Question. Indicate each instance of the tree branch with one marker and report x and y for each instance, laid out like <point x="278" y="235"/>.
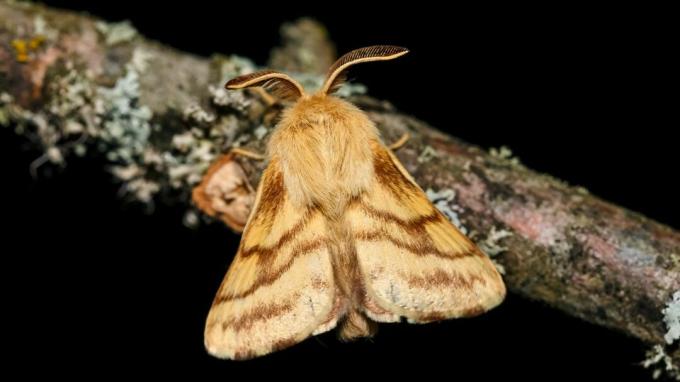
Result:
<point x="75" y="85"/>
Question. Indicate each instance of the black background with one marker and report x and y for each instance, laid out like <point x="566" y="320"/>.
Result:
<point x="582" y="94"/>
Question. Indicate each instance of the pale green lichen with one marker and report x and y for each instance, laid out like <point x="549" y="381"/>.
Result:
<point x="260" y="132"/>
<point x="505" y="153"/>
<point x="314" y="82"/>
<point x="115" y="33"/>
<point x="125" y="128"/>
<point x="350" y="89"/>
<point x="191" y="219"/>
<point x="671" y="316"/>
<point x="427" y="154"/>
<point x="199" y="115"/>
<point x="234" y="66"/>
<point x="193" y="153"/>
<point x="5" y="101"/>
<point x="661" y="363"/>
<point x="657" y="359"/>
<point x="40" y="27"/>
<point x="140" y="60"/>
<point x="147" y="157"/>
<point x="443" y="200"/>
<point x="65" y="122"/>
<point x="223" y="98"/>
<point x="675" y="259"/>
<point x="125" y="123"/>
<point x="492" y="245"/>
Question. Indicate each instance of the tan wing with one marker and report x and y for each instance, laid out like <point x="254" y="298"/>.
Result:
<point x="414" y="262"/>
<point x="280" y="287"/>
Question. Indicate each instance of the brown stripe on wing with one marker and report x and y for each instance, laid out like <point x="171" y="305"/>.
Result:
<point x="266" y="251"/>
<point x="270" y="276"/>
<point x="273" y="196"/>
<point x="389" y="176"/>
<point x="259" y="313"/>
<point x="446" y="279"/>
<point x="413" y="227"/>
<point x="410" y="225"/>
<point x="420" y="249"/>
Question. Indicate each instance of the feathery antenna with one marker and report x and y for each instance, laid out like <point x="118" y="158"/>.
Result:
<point x="336" y="73"/>
<point x="278" y="84"/>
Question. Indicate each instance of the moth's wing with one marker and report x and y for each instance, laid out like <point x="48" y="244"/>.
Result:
<point x="280" y="288"/>
<point x="414" y="262"/>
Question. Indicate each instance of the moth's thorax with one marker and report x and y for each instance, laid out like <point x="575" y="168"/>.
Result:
<point x="324" y="146"/>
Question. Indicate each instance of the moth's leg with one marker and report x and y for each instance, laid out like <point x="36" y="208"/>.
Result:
<point x="400" y="142"/>
<point x="247" y="153"/>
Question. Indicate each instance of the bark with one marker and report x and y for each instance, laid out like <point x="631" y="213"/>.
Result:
<point x="77" y="87"/>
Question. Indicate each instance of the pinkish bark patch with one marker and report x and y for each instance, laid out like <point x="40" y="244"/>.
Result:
<point x="599" y="246"/>
<point x="86" y="48"/>
<point x="544" y="225"/>
<point x="471" y="193"/>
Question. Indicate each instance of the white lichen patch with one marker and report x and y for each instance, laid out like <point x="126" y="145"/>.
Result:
<point x="671" y="316"/>
<point x="661" y="363"/>
<point x="5" y="101"/>
<point x="192" y="156"/>
<point x="505" y="153"/>
<point x="260" y="132"/>
<point x="191" y="219"/>
<point x="69" y="100"/>
<point x="54" y="155"/>
<point x="657" y="359"/>
<point x="351" y="89"/>
<point x="115" y="33"/>
<point x="143" y="189"/>
<point x="234" y="66"/>
<point x="125" y="123"/>
<point x="183" y="142"/>
<point x="196" y="113"/>
<point x="492" y="246"/>
<point x="128" y="172"/>
<point x="427" y="154"/>
<point x="140" y="60"/>
<point x="313" y="82"/>
<point x="80" y="116"/>
<point x="41" y="28"/>
<point x="443" y="200"/>
<point x="235" y="100"/>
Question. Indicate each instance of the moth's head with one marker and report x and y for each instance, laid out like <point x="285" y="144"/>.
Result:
<point x="286" y="89"/>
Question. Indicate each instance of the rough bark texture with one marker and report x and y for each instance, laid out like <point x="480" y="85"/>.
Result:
<point x="74" y="86"/>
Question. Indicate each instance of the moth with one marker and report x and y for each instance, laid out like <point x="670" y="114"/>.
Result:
<point x="340" y="235"/>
